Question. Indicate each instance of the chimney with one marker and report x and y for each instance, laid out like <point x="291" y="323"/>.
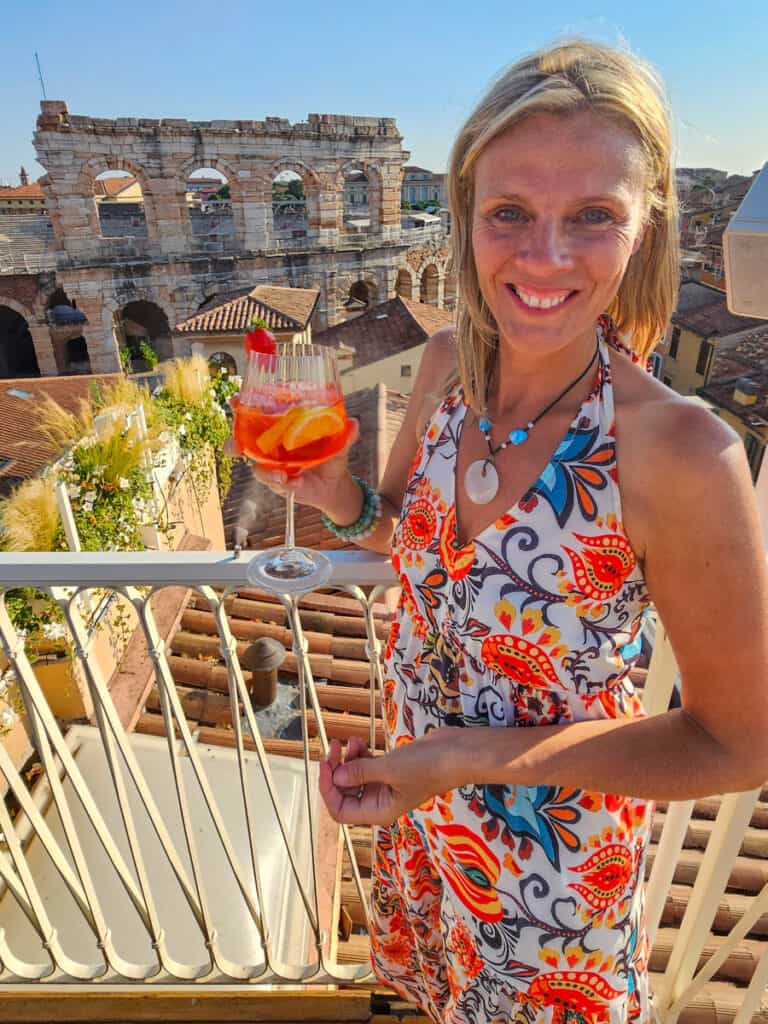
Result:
<point x="263" y="658"/>
<point x="746" y="391"/>
<point x="23" y="177"/>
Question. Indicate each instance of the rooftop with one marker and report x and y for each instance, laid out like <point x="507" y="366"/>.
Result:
<point x="22" y="442"/>
<point x="33" y="191"/>
<point x="386" y="328"/>
<point x="704" y="311"/>
<point x="282" y="309"/>
<point x="747" y="359"/>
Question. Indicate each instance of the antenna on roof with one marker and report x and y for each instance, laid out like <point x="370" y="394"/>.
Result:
<point x="40" y="75"/>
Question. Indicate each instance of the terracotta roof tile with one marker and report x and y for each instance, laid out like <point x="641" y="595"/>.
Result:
<point x="714" y="319"/>
<point x="387" y="328"/>
<point x="33" y="191"/>
<point x="21" y="440"/>
<point x="112" y="186"/>
<point x="283" y="309"/>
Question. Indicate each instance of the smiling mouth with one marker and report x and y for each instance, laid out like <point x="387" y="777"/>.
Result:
<point x="541" y="304"/>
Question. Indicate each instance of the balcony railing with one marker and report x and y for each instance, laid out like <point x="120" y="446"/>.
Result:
<point x="143" y="860"/>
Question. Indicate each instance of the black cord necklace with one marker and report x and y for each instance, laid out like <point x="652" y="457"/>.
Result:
<point x="481" y="481"/>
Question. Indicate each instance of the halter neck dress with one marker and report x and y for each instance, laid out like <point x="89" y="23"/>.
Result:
<point x="521" y="904"/>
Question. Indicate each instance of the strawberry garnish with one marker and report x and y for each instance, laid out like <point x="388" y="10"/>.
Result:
<point x="259" y="339"/>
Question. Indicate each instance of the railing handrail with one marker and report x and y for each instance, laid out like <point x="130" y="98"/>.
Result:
<point x="168" y="568"/>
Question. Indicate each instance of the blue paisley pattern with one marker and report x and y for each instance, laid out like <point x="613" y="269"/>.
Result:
<point x="516" y="903"/>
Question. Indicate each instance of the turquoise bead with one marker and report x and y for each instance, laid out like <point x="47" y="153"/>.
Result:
<point x="518" y="436"/>
<point x="485" y="424"/>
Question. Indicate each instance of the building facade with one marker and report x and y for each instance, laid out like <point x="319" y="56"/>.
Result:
<point x="165" y="260"/>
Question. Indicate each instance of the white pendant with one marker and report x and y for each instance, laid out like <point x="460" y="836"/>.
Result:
<point x="481" y="482"/>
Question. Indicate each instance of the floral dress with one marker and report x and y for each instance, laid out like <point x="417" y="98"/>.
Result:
<point x="507" y="902"/>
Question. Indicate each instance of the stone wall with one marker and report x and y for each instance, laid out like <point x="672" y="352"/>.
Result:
<point x="175" y="269"/>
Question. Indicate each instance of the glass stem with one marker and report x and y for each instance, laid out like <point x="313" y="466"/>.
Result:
<point x="289" y="540"/>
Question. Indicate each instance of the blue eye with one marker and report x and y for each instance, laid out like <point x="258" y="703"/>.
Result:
<point x="602" y="216"/>
<point x="514" y="211"/>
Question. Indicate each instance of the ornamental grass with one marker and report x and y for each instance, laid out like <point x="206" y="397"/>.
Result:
<point x="29" y="517"/>
<point x="187" y="380"/>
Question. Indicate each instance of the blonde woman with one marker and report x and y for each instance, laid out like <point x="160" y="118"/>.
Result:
<point x="534" y="510"/>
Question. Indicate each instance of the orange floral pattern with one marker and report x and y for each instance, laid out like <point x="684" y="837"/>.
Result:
<point x="508" y="902"/>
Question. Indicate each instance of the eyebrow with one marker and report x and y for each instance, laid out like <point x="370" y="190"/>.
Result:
<point x="512" y="197"/>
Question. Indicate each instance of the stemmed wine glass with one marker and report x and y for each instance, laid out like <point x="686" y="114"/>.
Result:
<point x="290" y="416"/>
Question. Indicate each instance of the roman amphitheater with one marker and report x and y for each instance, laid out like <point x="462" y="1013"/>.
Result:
<point x="163" y="258"/>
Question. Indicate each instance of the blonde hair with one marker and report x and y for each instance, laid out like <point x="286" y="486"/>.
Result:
<point x="571" y="76"/>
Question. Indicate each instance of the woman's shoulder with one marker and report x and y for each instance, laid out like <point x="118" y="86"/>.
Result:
<point x="668" y="448"/>
<point x="436" y="371"/>
<point x="659" y="420"/>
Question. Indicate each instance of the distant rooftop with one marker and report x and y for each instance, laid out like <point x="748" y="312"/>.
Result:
<point x="704" y="311"/>
<point x="282" y="309"/>
<point x="386" y="328"/>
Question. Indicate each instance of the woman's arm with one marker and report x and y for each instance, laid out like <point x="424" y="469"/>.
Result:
<point x="343" y="504"/>
<point x="705" y="566"/>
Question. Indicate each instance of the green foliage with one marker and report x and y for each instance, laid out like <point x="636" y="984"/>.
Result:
<point x="125" y="359"/>
<point x="199" y="424"/>
<point x="148" y="354"/>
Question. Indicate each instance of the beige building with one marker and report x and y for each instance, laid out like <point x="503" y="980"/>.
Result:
<point x="700" y="326"/>
<point x="384" y="344"/>
<point x="738" y="387"/>
<point x="218" y="330"/>
<point x="22" y="199"/>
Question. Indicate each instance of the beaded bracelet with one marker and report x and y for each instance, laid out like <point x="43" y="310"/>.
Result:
<point x="366" y="522"/>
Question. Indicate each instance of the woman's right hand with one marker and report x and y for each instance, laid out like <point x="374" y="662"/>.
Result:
<point x="328" y="486"/>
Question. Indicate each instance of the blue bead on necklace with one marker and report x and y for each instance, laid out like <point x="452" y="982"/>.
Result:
<point x="481" y="481"/>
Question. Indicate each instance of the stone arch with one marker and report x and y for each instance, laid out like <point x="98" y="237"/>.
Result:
<point x="312" y="186"/>
<point x="115" y="303"/>
<point x="406" y="283"/>
<point x="429" y="284"/>
<point x="18" y="354"/>
<point x="375" y="189"/>
<point x="90" y="171"/>
<point x="193" y="163"/>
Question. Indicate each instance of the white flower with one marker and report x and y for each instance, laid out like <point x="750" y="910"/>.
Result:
<point x="91" y="496"/>
<point x="123" y="483"/>
<point x="7" y="680"/>
<point x="73" y="490"/>
<point x="182" y="430"/>
<point x="187" y="415"/>
<point x="54" y="630"/>
<point x="7" y="718"/>
<point x="237" y="379"/>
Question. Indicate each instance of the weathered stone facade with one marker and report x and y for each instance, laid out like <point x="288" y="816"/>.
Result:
<point x="174" y="269"/>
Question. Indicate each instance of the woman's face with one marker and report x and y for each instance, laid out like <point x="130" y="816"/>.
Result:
<point x="558" y="212"/>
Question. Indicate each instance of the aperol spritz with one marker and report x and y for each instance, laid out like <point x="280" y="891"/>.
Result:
<point x="290" y="417"/>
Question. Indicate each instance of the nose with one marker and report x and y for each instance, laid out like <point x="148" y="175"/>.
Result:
<point x="545" y="246"/>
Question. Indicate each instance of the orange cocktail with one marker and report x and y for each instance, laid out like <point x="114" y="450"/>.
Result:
<point x="280" y="435"/>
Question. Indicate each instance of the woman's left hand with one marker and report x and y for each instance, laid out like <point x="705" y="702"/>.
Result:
<point x="368" y="790"/>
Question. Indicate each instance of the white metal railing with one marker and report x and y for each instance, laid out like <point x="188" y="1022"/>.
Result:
<point x="157" y="817"/>
<point x="117" y="869"/>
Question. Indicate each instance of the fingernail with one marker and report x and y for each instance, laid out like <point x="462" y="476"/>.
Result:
<point x="341" y="776"/>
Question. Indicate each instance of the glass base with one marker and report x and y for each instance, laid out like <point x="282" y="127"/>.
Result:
<point x="289" y="570"/>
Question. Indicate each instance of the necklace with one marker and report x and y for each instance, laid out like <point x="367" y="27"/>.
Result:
<point x="481" y="481"/>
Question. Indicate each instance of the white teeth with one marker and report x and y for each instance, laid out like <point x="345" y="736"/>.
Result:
<point x="536" y="303"/>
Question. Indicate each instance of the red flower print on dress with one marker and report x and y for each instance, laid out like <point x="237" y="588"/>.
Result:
<point x="581" y="992"/>
<point x="602" y="565"/>
<point x="524" y="662"/>
<point x="606" y="875"/>
<point x="470" y="868"/>
<point x="457" y="561"/>
<point x="418" y="527"/>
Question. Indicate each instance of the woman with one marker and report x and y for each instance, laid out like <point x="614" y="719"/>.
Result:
<point x="534" y="508"/>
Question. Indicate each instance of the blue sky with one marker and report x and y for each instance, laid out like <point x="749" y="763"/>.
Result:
<point x="425" y="65"/>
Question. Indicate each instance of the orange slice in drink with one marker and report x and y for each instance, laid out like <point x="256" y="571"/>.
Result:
<point x="312" y="425"/>
<point x="271" y="438"/>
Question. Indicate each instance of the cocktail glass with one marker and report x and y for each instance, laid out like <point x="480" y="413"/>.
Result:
<point x="290" y="416"/>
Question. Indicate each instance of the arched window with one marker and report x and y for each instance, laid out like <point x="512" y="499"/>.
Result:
<point x="222" y="362"/>
<point x="404" y="285"/>
<point x="17" y="350"/>
<point x="429" y="284"/>
<point x="209" y="203"/>
<point x="356" y="213"/>
<point x="289" y="205"/>
<point x="142" y="321"/>
<point x="120" y="204"/>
